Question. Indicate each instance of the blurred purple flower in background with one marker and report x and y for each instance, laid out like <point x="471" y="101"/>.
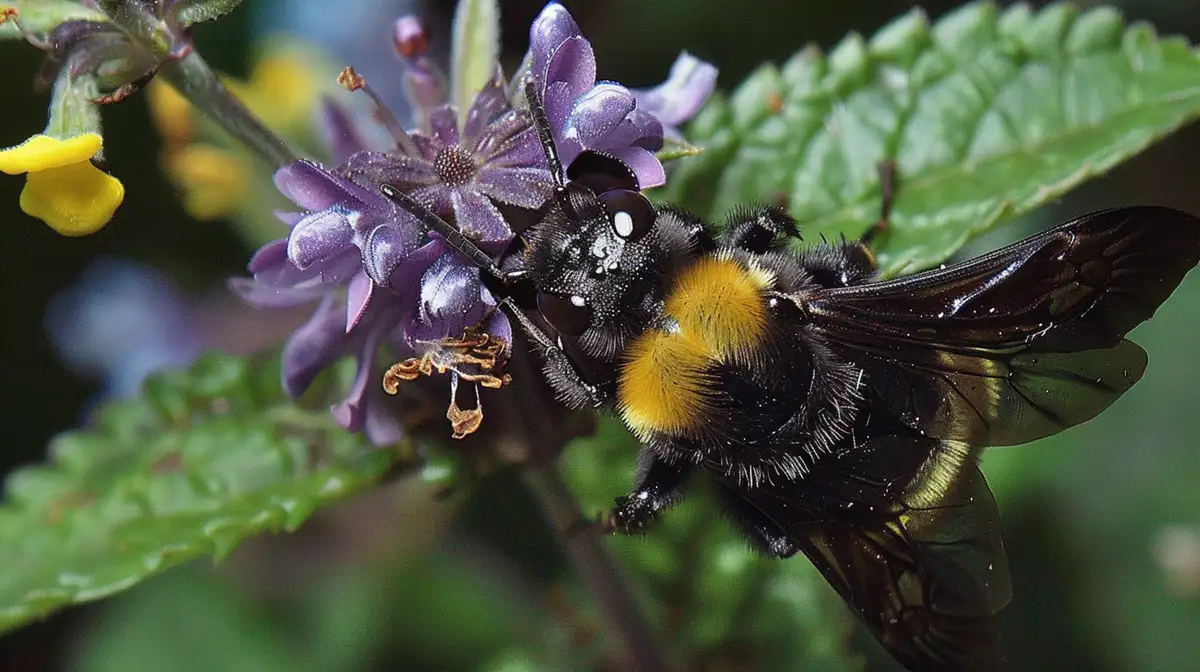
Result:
<point x="119" y="323"/>
<point x="379" y="277"/>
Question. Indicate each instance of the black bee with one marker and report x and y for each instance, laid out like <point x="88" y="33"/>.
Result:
<point x="839" y="416"/>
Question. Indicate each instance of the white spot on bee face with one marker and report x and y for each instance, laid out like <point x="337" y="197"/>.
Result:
<point x="623" y="222"/>
<point x="577" y="301"/>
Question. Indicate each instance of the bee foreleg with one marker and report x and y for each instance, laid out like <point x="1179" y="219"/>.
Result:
<point x="562" y="374"/>
<point x="658" y="487"/>
<point x="763" y="533"/>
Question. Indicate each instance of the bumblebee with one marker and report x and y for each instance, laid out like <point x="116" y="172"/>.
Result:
<point x="839" y="416"/>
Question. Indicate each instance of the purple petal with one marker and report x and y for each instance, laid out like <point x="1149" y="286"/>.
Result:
<point x="558" y="101"/>
<point x="313" y="347"/>
<point x="289" y="219"/>
<point x="649" y="130"/>
<point x="598" y="112"/>
<point x="385" y="248"/>
<point x="489" y="103"/>
<point x="406" y="279"/>
<point x="526" y="187"/>
<point x="552" y="27"/>
<point x="312" y="187"/>
<point x="645" y="165"/>
<point x="269" y="256"/>
<point x="690" y="83"/>
<point x="320" y="235"/>
<point x="377" y="168"/>
<point x="574" y="65"/>
<point x="262" y="295"/>
<point x="509" y="129"/>
<point x="443" y="121"/>
<point x="435" y="197"/>
<point x="381" y="424"/>
<point x="450" y="300"/>
<point x="339" y="131"/>
<point x="424" y="85"/>
<point x="358" y="297"/>
<point x="351" y="413"/>
<point x="638" y="129"/>
<point x="309" y="186"/>
<point x="428" y="147"/>
<point x="479" y="219"/>
<point x="523" y="150"/>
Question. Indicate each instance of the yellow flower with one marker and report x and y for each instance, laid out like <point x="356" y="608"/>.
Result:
<point x="283" y="89"/>
<point x="213" y="180"/>
<point x="171" y="112"/>
<point x="63" y="188"/>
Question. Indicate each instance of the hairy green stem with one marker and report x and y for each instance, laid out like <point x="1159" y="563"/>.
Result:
<point x="200" y="85"/>
<point x="599" y="571"/>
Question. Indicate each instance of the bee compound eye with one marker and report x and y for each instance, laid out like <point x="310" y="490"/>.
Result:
<point x="569" y="315"/>
<point x="630" y="212"/>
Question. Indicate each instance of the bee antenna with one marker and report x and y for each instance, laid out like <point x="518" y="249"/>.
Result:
<point x="541" y="124"/>
<point x="447" y="231"/>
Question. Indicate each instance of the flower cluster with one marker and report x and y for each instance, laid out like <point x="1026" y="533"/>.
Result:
<point x="100" y="53"/>
<point x="380" y="278"/>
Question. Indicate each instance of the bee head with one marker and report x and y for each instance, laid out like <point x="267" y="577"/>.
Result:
<point x="595" y="257"/>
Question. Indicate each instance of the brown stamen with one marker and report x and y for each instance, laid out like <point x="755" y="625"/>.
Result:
<point x="474" y="358"/>
<point x="350" y="80"/>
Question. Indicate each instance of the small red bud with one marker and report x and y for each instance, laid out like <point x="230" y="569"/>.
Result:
<point x="409" y="37"/>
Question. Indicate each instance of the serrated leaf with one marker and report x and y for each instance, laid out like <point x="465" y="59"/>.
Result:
<point x="191" y="12"/>
<point x="204" y="460"/>
<point x="475" y="49"/>
<point x="715" y="596"/>
<point x="987" y="114"/>
<point x="42" y="16"/>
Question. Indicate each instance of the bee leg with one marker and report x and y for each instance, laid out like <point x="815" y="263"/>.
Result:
<point x="763" y="533"/>
<point x="658" y="487"/>
<point x="759" y="230"/>
<point x="568" y="382"/>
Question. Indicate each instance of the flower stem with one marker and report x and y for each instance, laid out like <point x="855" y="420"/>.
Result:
<point x="200" y="85"/>
<point x="601" y="575"/>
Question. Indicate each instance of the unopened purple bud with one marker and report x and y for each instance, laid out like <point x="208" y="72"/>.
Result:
<point x="409" y="37"/>
<point x="424" y="84"/>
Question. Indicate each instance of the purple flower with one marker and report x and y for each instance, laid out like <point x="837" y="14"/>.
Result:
<point x="121" y="322"/>
<point x="606" y="116"/>
<point x="461" y="172"/>
<point x="678" y="99"/>
<point x="380" y="280"/>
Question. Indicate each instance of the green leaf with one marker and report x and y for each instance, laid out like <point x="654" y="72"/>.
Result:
<point x="987" y="114"/>
<point x="192" y="12"/>
<point x="475" y="49"/>
<point x="42" y="16"/>
<point x="205" y="459"/>
<point x="187" y="621"/>
<point x="715" y="596"/>
<point x="673" y="149"/>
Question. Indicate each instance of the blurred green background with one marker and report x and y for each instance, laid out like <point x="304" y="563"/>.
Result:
<point x="1102" y="523"/>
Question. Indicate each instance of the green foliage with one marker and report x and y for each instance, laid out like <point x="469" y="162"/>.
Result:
<point x="476" y="49"/>
<point x="986" y="114"/>
<point x="203" y="460"/>
<point x="725" y="606"/>
<point x="191" y="12"/>
<point x="41" y="16"/>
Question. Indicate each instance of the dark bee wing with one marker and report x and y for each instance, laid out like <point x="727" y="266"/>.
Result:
<point x="1020" y="343"/>
<point x="917" y="553"/>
